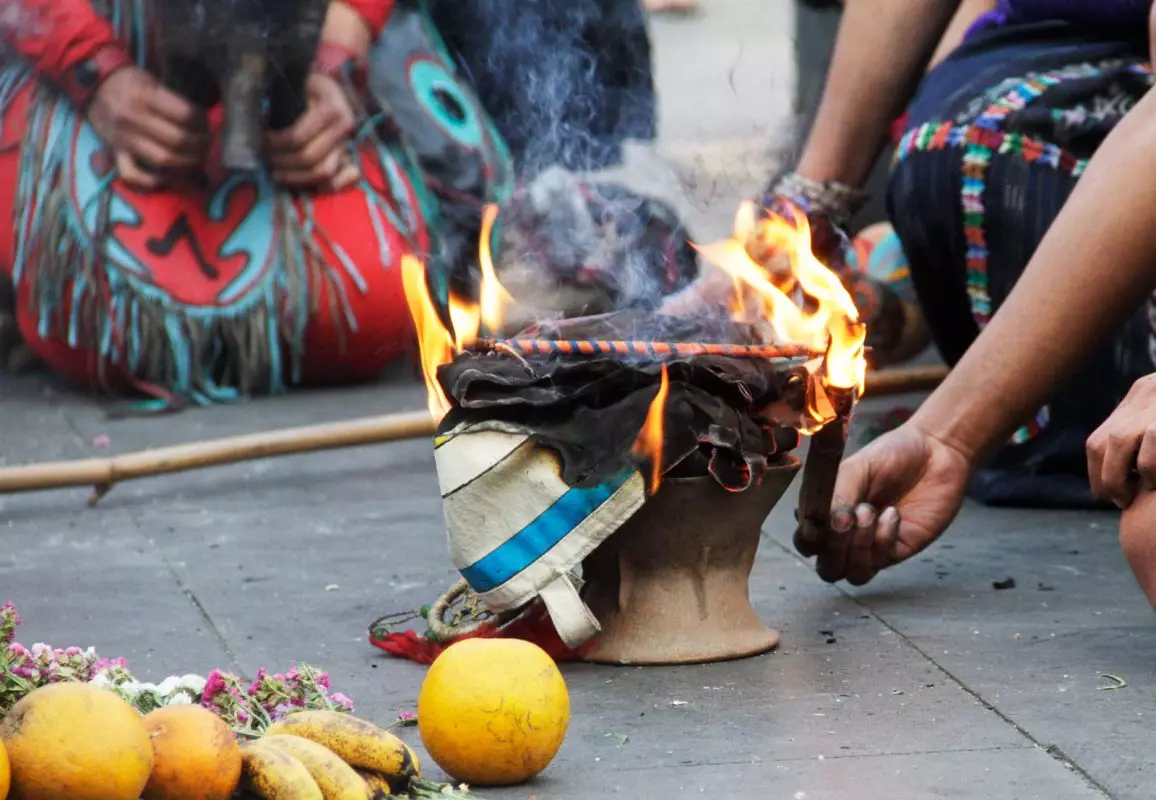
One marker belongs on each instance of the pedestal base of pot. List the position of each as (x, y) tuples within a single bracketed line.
[(672, 585)]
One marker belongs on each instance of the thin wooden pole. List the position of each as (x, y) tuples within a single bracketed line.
[(104, 473), (906, 379)]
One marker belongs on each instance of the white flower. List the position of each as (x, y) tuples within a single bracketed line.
[(168, 686), (101, 681), (179, 699), (194, 684)]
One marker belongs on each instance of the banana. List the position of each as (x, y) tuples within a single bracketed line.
[(275, 775), (378, 786), (335, 778), (356, 742)]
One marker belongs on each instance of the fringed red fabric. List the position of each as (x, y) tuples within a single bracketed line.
[(532, 625)]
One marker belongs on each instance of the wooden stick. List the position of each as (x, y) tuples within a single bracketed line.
[(823, 459), (104, 473), (907, 379)]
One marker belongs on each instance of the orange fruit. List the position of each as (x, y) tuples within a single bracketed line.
[(5, 774), (493, 712), (195, 756), (77, 741)]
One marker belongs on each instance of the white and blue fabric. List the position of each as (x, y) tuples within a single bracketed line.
[(516, 529)]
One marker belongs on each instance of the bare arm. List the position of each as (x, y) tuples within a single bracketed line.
[(881, 52)]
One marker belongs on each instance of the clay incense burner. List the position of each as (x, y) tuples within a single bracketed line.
[(672, 585)]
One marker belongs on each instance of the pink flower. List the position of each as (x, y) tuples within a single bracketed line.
[(213, 686), (341, 700)]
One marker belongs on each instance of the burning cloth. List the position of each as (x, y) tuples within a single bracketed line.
[(540, 458)]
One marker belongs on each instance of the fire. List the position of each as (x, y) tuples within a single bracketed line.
[(494, 297), (782, 288), (648, 445), (437, 345), (804, 302)]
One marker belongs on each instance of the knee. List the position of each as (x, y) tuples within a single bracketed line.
[(1138, 541)]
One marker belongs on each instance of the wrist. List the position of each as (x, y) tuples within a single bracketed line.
[(81, 81), (956, 427), (833, 199)]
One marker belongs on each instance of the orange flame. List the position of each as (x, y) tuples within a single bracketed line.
[(437, 345), (804, 302), (493, 296), (434, 341), (787, 290), (648, 445)]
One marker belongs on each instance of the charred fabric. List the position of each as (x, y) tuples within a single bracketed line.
[(729, 417)]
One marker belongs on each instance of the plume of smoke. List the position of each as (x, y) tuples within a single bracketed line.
[(565, 80)]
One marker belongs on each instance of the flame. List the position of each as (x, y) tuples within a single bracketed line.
[(777, 281), (803, 302), (437, 345), (493, 296), (648, 445)]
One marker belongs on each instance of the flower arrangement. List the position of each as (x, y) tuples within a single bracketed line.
[(247, 709)]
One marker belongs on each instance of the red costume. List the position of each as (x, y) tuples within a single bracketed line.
[(197, 292)]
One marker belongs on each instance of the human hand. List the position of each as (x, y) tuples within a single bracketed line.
[(313, 153), (1125, 442), (892, 499), (150, 129)]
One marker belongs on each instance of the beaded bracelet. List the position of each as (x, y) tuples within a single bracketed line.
[(833, 199)]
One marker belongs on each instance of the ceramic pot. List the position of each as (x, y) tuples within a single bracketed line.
[(672, 585)]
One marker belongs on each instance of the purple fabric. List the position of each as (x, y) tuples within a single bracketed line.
[(1125, 13)]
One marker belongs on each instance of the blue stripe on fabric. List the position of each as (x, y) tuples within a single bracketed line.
[(540, 536)]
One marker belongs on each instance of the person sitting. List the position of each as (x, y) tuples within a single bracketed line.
[(138, 262), (996, 137), (1041, 298)]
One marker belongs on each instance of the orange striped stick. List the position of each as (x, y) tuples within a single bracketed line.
[(593, 347)]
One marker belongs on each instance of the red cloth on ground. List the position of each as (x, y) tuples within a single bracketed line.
[(532, 625)]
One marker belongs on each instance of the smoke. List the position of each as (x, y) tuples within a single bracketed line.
[(574, 248), (566, 81)]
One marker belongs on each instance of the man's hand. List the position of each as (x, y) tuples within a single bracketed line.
[(150, 129), (313, 153), (892, 499), (1126, 441)]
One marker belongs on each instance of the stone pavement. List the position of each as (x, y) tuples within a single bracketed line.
[(928, 684)]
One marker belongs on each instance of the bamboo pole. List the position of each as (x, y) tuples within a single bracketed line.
[(906, 379), (104, 473)]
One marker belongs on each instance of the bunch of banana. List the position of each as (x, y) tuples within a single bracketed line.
[(327, 755)]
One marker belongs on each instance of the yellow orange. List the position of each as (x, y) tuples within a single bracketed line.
[(493, 712), (195, 756), (76, 741), (5, 775)]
